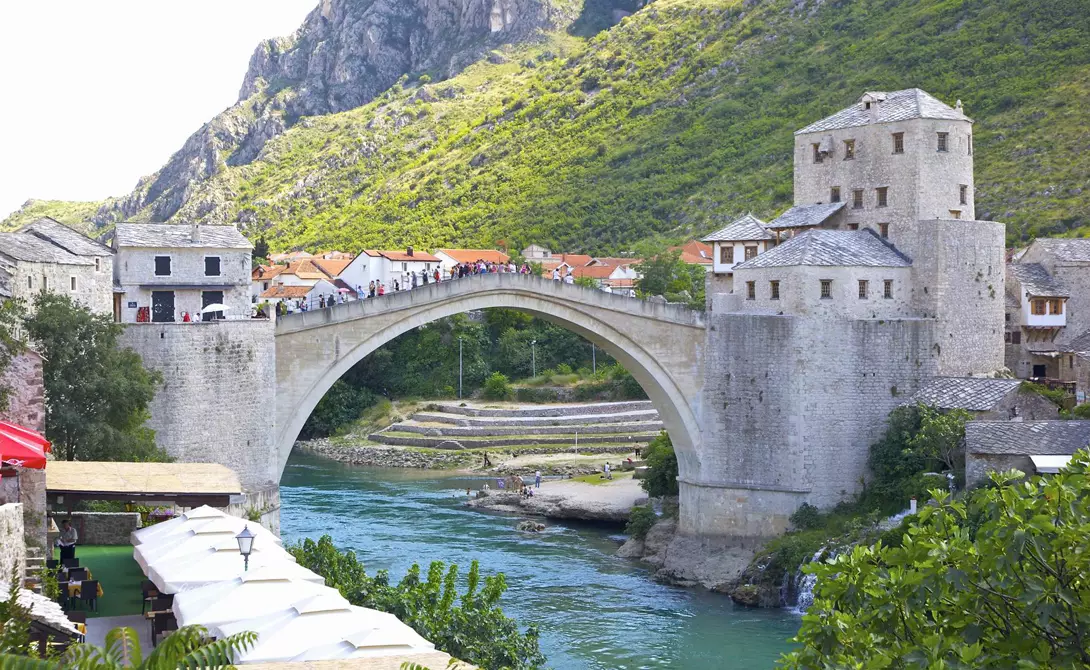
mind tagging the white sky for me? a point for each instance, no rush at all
(95, 94)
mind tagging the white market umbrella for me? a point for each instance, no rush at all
(259, 592)
(215, 307)
(324, 627)
(213, 533)
(204, 512)
(200, 568)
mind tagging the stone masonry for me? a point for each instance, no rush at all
(26, 407)
(12, 545)
(111, 528)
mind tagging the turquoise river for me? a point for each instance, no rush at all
(594, 610)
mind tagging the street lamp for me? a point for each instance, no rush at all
(459, 368)
(533, 357)
(245, 545)
(593, 360)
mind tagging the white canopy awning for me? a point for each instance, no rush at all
(259, 592)
(197, 513)
(214, 533)
(1050, 465)
(322, 627)
(207, 566)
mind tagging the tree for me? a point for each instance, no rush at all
(940, 436)
(661, 479)
(261, 251)
(341, 405)
(667, 275)
(471, 627)
(994, 581)
(96, 393)
(586, 282)
(188, 647)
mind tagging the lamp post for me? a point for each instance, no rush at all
(593, 360)
(245, 545)
(533, 357)
(459, 368)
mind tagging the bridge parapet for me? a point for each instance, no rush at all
(461, 288)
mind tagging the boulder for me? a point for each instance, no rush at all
(530, 526)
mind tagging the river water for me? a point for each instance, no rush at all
(594, 610)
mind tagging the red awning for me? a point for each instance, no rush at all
(22, 447)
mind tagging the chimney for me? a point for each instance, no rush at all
(195, 233)
(409, 251)
(958, 105)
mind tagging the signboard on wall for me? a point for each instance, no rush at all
(132, 304)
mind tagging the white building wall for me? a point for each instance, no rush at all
(736, 253)
(136, 274)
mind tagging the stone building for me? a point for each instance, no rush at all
(880, 282)
(998, 446)
(49, 256)
(986, 399)
(1048, 312)
(738, 242)
(165, 270)
(389, 266)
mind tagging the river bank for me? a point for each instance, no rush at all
(608, 502)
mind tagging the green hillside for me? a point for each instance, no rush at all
(673, 121)
(75, 214)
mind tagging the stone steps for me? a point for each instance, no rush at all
(412, 440)
(570, 420)
(496, 431)
(583, 409)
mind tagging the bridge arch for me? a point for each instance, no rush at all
(661, 345)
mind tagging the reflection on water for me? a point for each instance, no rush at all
(594, 610)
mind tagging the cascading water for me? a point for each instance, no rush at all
(804, 584)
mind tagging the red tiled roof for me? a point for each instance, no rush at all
(304, 269)
(263, 272)
(594, 271)
(574, 260)
(615, 261)
(621, 283)
(474, 255)
(695, 252)
(280, 291)
(290, 256)
(333, 268)
(418, 256)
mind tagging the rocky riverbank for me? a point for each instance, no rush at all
(683, 560)
(610, 502)
(388, 457)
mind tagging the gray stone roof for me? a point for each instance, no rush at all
(63, 236)
(1080, 345)
(1036, 280)
(33, 249)
(744, 229)
(167, 236)
(857, 248)
(911, 103)
(968, 393)
(1028, 438)
(803, 216)
(40, 609)
(1071, 250)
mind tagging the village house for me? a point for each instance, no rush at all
(739, 241)
(448, 258)
(166, 270)
(48, 256)
(536, 252)
(986, 399)
(695, 252)
(322, 292)
(1032, 447)
(387, 267)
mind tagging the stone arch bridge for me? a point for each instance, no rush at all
(661, 345)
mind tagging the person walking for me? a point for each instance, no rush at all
(436, 275)
(537, 479)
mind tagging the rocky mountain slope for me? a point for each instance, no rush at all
(664, 125)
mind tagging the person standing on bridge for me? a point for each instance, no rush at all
(556, 273)
(436, 275)
(569, 278)
(371, 289)
(424, 277)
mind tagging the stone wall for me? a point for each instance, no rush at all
(12, 545)
(105, 527)
(800, 292)
(977, 466)
(26, 407)
(792, 406)
(136, 268)
(264, 502)
(218, 393)
(94, 288)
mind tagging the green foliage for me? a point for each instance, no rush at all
(497, 387)
(807, 517)
(1080, 412)
(97, 394)
(11, 316)
(661, 479)
(342, 404)
(14, 625)
(640, 521)
(667, 274)
(470, 626)
(994, 581)
(75, 214)
(586, 282)
(1057, 396)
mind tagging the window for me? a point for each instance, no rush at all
(30, 282)
(45, 283)
(751, 290)
(1037, 307)
(849, 149)
(162, 266)
(963, 192)
(970, 145)
(98, 264)
(826, 288)
(887, 288)
(211, 266)
(404, 267)
(73, 280)
(862, 289)
(774, 287)
(1055, 306)
(883, 196)
(751, 252)
(1007, 337)
(853, 226)
(817, 152)
(944, 142)
(898, 143)
(726, 254)
(834, 194)
(883, 229)
(1016, 337)
(955, 213)
(857, 199)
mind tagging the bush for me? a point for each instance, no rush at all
(497, 387)
(807, 517)
(661, 477)
(563, 369)
(340, 406)
(640, 521)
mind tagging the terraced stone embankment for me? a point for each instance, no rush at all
(464, 426)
